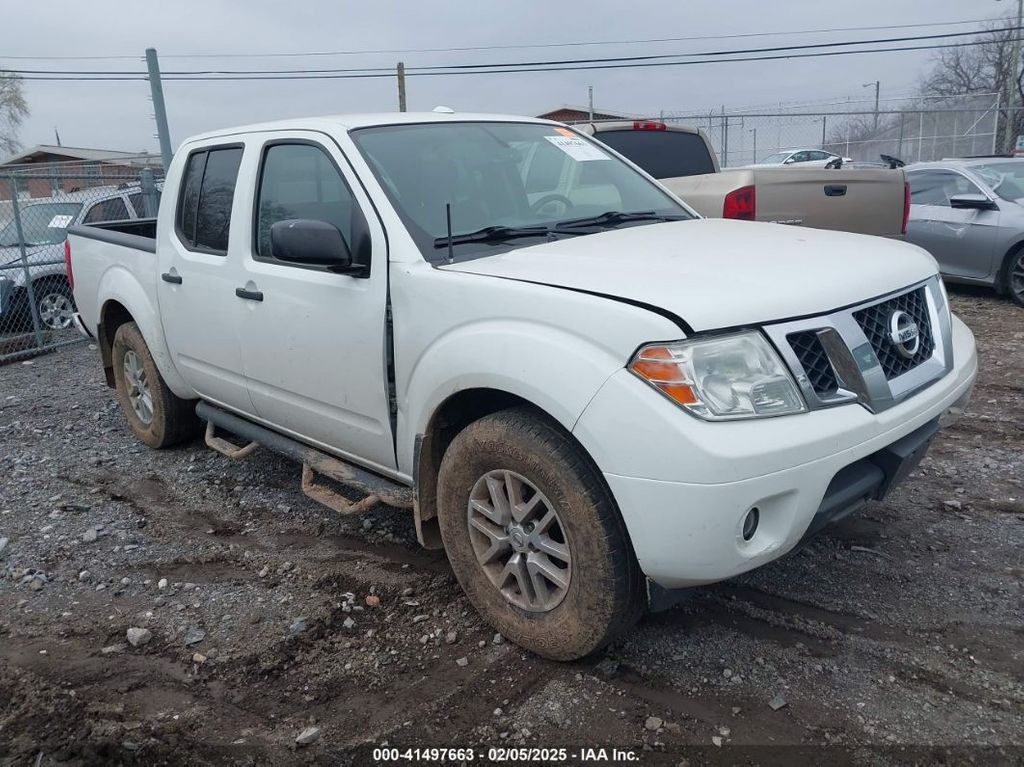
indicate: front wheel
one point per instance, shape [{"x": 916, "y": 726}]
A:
[
  {"x": 1013, "y": 276},
  {"x": 155, "y": 414},
  {"x": 534, "y": 537}
]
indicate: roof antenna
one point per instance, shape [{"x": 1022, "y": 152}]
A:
[{"x": 448, "y": 216}]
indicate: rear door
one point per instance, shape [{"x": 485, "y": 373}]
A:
[
  {"x": 198, "y": 264},
  {"x": 314, "y": 346},
  {"x": 963, "y": 241}
]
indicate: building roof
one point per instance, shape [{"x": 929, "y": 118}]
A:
[
  {"x": 598, "y": 113},
  {"x": 72, "y": 153}
]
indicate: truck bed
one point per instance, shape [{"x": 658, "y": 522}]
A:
[{"x": 102, "y": 253}]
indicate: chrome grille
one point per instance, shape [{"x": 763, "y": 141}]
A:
[
  {"x": 848, "y": 355},
  {"x": 812, "y": 356},
  {"x": 874, "y": 321}
]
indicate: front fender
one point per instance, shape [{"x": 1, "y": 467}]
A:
[
  {"x": 121, "y": 285},
  {"x": 550, "y": 367}
]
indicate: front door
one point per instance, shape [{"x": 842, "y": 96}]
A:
[
  {"x": 314, "y": 345},
  {"x": 963, "y": 241}
]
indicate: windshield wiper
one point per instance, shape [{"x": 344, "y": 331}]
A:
[
  {"x": 493, "y": 234},
  {"x": 613, "y": 217}
]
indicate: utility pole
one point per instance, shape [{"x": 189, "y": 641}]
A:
[
  {"x": 725, "y": 139},
  {"x": 878, "y": 88},
  {"x": 401, "y": 86},
  {"x": 590, "y": 103},
  {"x": 1009, "y": 129},
  {"x": 754, "y": 131},
  {"x": 159, "y": 110}
]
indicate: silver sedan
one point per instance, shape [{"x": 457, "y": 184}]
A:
[{"x": 969, "y": 214}]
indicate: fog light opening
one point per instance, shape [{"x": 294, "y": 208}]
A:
[{"x": 750, "y": 523}]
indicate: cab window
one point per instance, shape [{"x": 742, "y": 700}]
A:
[{"x": 301, "y": 181}]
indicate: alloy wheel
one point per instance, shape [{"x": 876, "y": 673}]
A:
[
  {"x": 519, "y": 540},
  {"x": 56, "y": 311},
  {"x": 137, "y": 385}
]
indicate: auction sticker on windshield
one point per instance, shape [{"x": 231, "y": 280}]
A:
[
  {"x": 577, "y": 148},
  {"x": 60, "y": 222}
]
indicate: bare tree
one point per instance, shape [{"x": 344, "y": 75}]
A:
[
  {"x": 984, "y": 68},
  {"x": 935, "y": 121},
  {"x": 13, "y": 110}
]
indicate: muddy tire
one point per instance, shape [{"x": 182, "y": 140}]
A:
[
  {"x": 535, "y": 538},
  {"x": 156, "y": 416}
]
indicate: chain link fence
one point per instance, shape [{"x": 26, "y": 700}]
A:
[
  {"x": 913, "y": 129},
  {"x": 37, "y": 206}
]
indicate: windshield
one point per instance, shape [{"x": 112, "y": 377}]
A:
[
  {"x": 1006, "y": 179},
  {"x": 45, "y": 223},
  {"x": 505, "y": 176},
  {"x": 778, "y": 157}
]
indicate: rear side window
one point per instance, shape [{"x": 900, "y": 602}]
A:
[
  {"x": 109, "y": 210},
  {"x": 207, "y": 191},
  {"x": 664, "y": 153}
]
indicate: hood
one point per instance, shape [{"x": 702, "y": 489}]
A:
[{"x": 715, "y": 273}]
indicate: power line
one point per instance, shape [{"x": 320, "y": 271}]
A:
[
  {"x": 524, "y": 46},
  {"x": 372, "y": 74},
  {"x": 504, "y": 65}
]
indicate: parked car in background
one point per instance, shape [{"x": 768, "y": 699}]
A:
[
  {"x": 44, "y": 225},
  {"x": 587, "y": 394},
  {"x": 862, "y": 200},
  {"x": 969, "y": 214},
  {"x": 808, "y": 158}
]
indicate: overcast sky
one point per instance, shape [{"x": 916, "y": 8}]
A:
[{"x": 119, "y": 115}]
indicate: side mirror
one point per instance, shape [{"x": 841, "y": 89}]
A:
[
  {"x": 313, "y": 243},
  {"x": 972, "y": 202}
]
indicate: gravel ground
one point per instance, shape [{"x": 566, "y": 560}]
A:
[{"x": 258, "y": 614}]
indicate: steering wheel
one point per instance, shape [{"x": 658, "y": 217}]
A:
[{"x": 547, "y": 199}]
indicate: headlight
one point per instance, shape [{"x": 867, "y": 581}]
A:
[{"x": 721, "y": 378}]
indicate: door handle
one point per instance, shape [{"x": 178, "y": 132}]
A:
[
  {"x": 174, "y": 279},
  {"x": 249, "y": 295},
  {"x": 835, "y": 190}
]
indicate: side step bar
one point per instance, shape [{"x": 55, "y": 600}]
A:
[{"x": 314, "y": 462}]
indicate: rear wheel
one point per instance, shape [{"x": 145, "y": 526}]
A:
[
  {"x": 534, "y": 537},
  {"x": 1013, "y": 275},
  {"x": 155, "y": 414}
]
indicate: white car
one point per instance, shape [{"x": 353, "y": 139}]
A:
[
  {"x": 589, "y": 397},
  {"x": 807, "y": 158}
]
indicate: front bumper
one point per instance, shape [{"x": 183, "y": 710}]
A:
[{"x": 685, "y": 487}]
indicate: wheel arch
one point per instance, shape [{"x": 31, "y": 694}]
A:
[
  {"x": 122, "y": 305},
  {"x": 113, "y": 315},
  {"x": 453, "y": 415},
  {"x": 1002, "y": 276}
]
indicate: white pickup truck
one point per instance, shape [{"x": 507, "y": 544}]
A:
[{"x": 590, "y": 399}]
